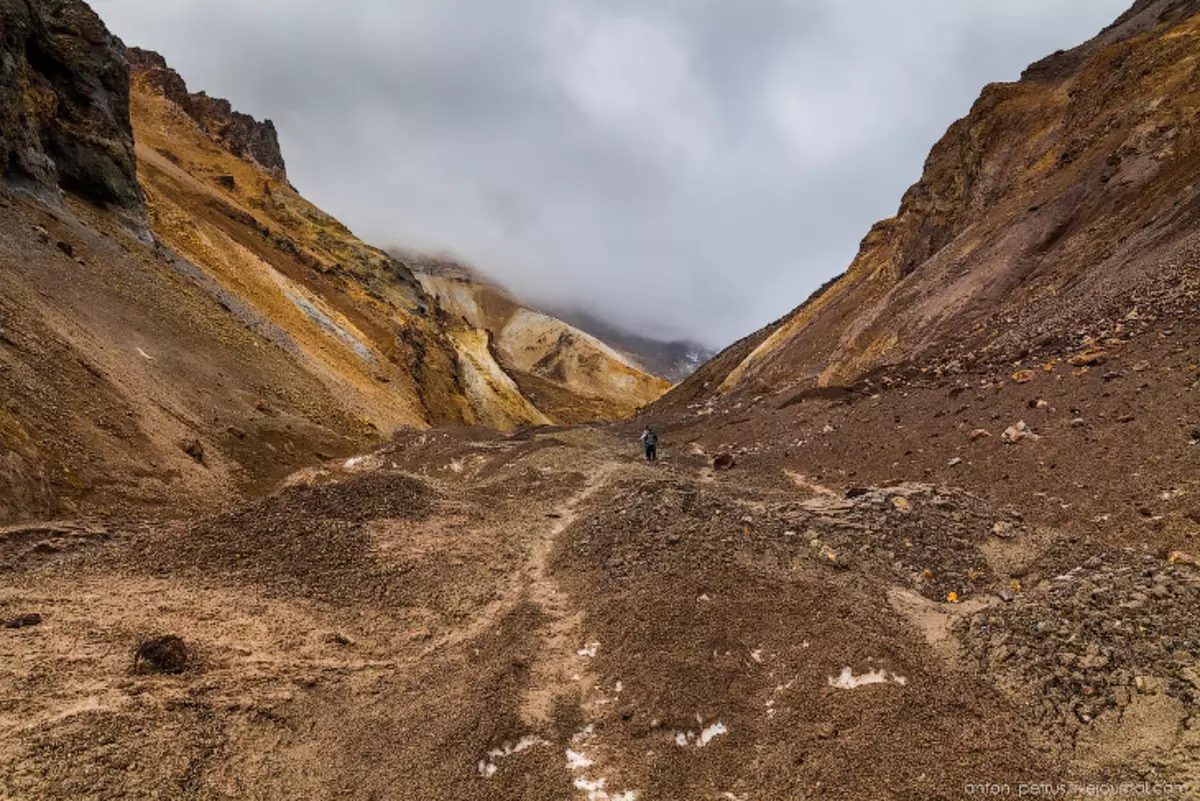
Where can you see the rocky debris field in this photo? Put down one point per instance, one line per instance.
(1088, 641)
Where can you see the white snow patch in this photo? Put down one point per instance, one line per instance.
(706, 735)
(848, 681)
(589, 650)
(488, 767)
(578, 761)
(596, 792)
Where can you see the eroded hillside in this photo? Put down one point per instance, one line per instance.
(178, 324)
(1058, 206)
(567, 372)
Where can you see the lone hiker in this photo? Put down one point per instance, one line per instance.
(650, 444)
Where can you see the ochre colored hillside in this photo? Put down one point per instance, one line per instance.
(177, 323)
(567, 372)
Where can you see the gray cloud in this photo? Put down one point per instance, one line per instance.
(683, 167)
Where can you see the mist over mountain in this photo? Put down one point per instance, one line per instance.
(683, 170)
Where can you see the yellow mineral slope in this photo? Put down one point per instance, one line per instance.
(357, 316)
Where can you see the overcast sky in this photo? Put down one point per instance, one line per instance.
(683, 167)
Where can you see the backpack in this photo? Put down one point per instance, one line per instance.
(652, 439)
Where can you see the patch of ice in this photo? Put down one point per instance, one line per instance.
(848, 681)
(488, 767)
(365, 463)
(589, 650)
(578, 761)
(706, 735)
(526, 742)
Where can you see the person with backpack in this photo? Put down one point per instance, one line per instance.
(650, 444)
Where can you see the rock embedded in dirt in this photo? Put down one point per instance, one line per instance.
(24, 621)
(723, 461)
(195, 449)
(1089, 358)
(980, 433)
(1017, 432)
(167, 654)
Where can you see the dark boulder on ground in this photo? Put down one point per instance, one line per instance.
(161, 655)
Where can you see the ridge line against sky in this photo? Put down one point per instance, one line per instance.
(684, 168)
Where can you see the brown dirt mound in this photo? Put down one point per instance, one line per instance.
(306, 540)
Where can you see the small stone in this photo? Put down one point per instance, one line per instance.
(195, 449)
(979, 433)
(1089, 358)
(901, 503)
(1023, 376)
(67, 249)
(955, 462)
(1005, 529)
(1017, 432)
(1141, 367)
(1078, 422)
(1147, 685)
(1006, 596)
(1126, 418)
(1181, 558)
(162, 655)
(723, 461)
(24, 621)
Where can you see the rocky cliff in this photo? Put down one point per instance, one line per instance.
(64, 104)
(240, 134)
(568, 372)
(1062, 203)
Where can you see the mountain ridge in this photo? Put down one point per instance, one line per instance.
(1016, 203)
